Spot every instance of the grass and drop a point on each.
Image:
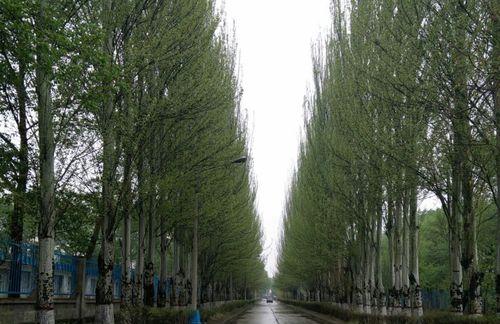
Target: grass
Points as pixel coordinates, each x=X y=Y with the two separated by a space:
x=181 y=316
x=153 y=315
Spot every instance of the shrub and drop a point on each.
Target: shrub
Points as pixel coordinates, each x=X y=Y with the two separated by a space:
x=428 y=318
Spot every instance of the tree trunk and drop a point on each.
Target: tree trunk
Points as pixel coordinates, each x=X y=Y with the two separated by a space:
x=381 y=302
x=470 y=259
x=495 y=15
x=45 y=300
x=358 y=290
x=174 y=300
x=104 y=288
x=398 y=256
x=149 y=285
x=139 y=275
x=373 y=260
x=392 y=250
x=367 y=270
x=416 y=293
x=126 y=280
x=405 y=281
x=149 y=273
x=162 y=287
x=456 y=289
x=194 y=254
x=194 y=265
x=19 y=194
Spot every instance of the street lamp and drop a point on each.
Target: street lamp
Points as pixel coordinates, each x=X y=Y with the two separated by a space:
x=194 y=256
x=240 y=160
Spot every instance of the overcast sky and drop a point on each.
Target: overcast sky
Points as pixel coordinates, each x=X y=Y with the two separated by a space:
x=274 y=39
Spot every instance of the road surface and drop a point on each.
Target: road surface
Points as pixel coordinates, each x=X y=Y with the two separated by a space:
x=273 y=313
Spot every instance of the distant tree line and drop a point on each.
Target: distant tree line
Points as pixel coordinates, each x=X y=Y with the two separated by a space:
x=405 y=104
x=122 y=136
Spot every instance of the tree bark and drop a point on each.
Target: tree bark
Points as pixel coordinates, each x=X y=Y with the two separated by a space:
x=398 y=255
x=194 y=255
x=104 y=288
x=456 y=289
x=19 y=194
x=162 y=287
x=381 y=296
x=392 y=250
x=139 y=275
x=495 y=15
x=470 y=258
x=373 y=261
x=367 y=270
x=149 y=273
x=455 y=223
x=416 y=292
x=126 y=279
x=45 y=300
x=405 y=279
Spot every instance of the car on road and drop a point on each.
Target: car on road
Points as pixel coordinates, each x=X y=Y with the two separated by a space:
x=269 y=299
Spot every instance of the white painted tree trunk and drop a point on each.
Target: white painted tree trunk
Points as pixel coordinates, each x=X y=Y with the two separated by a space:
x=392 y=270
x=104 y=314
x=149 y=271
x=372 y=260
x=398 y=258
x=470 y=258
x=405 y=279
x=381 y=302
x=358 y=294
x=456 y=290
x=45 y=313
x=104 y=288
x=45 y=299
x=366 y=273
x=141 y=249
x=416 y=293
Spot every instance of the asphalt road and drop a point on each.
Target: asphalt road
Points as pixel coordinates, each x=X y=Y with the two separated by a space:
x=273 y=313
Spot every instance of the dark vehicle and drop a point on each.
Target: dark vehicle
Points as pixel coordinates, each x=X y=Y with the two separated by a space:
x=269 y=299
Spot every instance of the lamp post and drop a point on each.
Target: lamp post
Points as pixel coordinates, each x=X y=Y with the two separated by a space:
x=194 y=254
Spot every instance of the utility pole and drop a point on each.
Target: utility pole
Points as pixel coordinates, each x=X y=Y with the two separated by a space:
x=194 y=254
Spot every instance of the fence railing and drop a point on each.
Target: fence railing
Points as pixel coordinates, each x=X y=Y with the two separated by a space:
x=436 y=299
x=18 y=272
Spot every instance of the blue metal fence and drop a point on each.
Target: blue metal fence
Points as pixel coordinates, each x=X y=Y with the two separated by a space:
x=17 y=261
x=18 y=272
x=436 y=299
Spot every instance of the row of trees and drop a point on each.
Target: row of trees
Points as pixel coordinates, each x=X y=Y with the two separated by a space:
x=122 y=120
x=405 y=103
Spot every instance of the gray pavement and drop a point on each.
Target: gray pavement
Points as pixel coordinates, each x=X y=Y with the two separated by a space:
x=275 y=313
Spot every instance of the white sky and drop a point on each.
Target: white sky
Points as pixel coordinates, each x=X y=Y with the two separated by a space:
x=274 y=40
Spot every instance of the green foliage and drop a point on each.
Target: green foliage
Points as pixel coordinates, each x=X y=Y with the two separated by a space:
x=434 y=251
x=396 y=112
x=147 y=120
